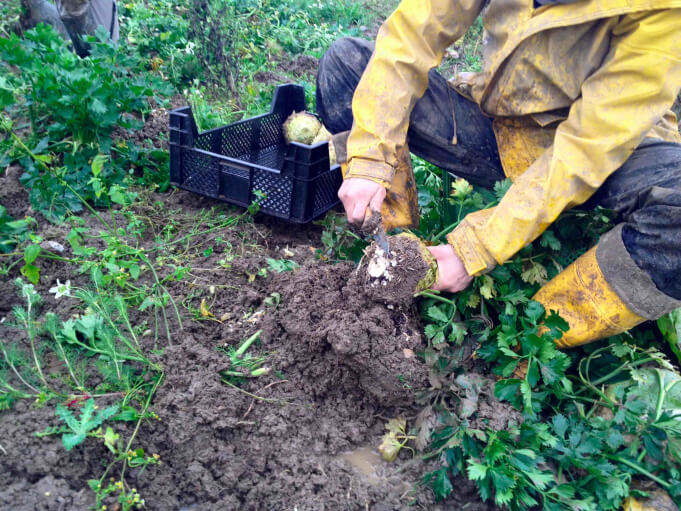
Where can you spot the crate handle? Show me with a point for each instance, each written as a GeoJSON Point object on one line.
{"type": "Point", "coordinates": [239, 166]}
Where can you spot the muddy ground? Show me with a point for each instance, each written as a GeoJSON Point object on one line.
{"type": "Point", "coordinates": [303, 437]}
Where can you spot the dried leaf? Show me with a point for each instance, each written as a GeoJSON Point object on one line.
{"type": "Point", "coordinates": [535, 274]}
{"type": "Point", "coordinates": [204, 310]}
{"type": "Point", "coordinates": [487, 290]}
{"type": "Point", "coordinates": [473, 300]}
{"type": "Point", "coordinates": [425, 423]}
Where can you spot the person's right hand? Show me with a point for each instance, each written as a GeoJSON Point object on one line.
{"type": "Point", "coordinates": [357, 194]}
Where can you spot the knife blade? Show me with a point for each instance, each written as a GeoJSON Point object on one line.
{"type": "Point", "coordinates": [373, 226]}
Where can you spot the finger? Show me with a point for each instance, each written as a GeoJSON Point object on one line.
{"type": "Point", "coordinates": [439, 251]}
{"type": "Point", "coordinates": [377, 199]}
{"type": "Point", "coordinates": [358, 211]}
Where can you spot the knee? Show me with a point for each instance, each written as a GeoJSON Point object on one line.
{"type": "Point", "coordinates": [339, 72]}
{"type": "Point", "coordinates": [345, 55]}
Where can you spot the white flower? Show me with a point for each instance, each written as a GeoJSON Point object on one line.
{"type": "Point", "coordinates": [61, 289]}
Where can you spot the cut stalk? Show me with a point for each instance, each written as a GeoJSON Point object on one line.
{"type": "Point", "coordinates": [247, 344]}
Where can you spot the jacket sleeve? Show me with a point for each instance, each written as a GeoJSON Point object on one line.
{"type": "Point", "coordinates": [410, 43]}
{"type": "Point", "coordinates": [620, 103]}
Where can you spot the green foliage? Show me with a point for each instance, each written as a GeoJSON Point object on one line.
{"type": "Point", "coordinates": [466, 53]}
{"type": "Point", "coordinates": [219, 53]}
{"type": "Point", "coordinates": [10, 15]}
{"type": "Point", "coordinates": [281, 265]}
{"type": "Point", "coordinates": [670, 327]}
{"type": "Point", "coordinates": [578, 407]}
{"type": "Point", "coordinates": [80, 427]}
{"type": "Point", "coordinates": [340, 243]}
{"type": "Point", "coordinates": [12, 232]}
{"type": "Point", "coordinates": [233, 39]}
{"type": "Point", "coordinates": [72, 106]}
{"type": "Point", "coordinates": [98, 344]}
{"type": "Point", "coordinates": [242, 363]}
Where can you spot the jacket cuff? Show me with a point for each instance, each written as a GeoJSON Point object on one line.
{"type": "Point", "coordinates": [475, 257]}
{"type": "Point", "coordinates": [380, 172]}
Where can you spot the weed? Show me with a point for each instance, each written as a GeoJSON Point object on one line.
{"type": "Point", "coordinates": [99, 341]}
{"type": "Point", "coordinates": [338, 240]}
{"type": "Point", "coordinates": [281, 265]}
{"type": "Point", "coordinates": [10, 16]}
{"type": "Point", "coordinates": [242, 364]}
{"type": "Point", "coordinates": [12, 232]}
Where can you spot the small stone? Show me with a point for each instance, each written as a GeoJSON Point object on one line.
{"type": "Point", "coordinates": [52, 245]}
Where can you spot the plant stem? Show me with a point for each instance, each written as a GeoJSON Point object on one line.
{"type": "Point", "coordinates": [254, 396]}
{"type": "Point", "coordinates": [255, 373]}
{"type": "Point", "coordinates": [139, 421]}
{"type": "Point", "coordinates": [661, 394]}
{"type": "Point", "coordinates": [14, 370]}
{"type": "Point", "coordinates": [247, 344]}
{"type": "Point", "coordinates": [641, 471]}
{"type": "Point", "coordinates": [429, 294]}
{"type": "Point", "coordinates": [62, 352]}
{"type": "Point", "coordinates": [31, 338]}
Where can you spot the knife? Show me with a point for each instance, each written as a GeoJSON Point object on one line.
{"type": "Point", "coordinates": [373, 226]}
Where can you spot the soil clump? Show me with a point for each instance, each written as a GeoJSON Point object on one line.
{"type": "Point", "coordinates": [393, 278]}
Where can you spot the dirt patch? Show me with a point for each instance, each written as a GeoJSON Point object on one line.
{"type": "Point", "coordinates": [154, 131]}
{"type": "Point", "coordinates": [12, 193]}
{"type": "Point", "coordinates": [340, 335]}
{"type": "Point", "coordinates": [299, 67]}
{"type": "Point", "coordinates": [342, 365]}
{"type": "Point", "coordinates": [269, 78]}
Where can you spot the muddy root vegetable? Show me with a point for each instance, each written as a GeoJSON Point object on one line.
{"type": "Point", "coordinates": [395, 277]}
{"type": "Point", "coordinates": [301, 127]}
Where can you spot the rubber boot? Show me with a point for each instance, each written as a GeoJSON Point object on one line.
{"type": "Point", "coordinates": [583, 298]}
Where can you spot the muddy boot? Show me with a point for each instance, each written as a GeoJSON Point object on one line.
{"type": "Point", "coordinates": [657, 500]}
{"type": "Point", "coordinates": [583, 298]}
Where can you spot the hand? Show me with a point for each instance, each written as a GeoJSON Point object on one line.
{"type": "Point", "coordinates": [452, 275]}
{"type": "Point", "coordinates": [358, 194]}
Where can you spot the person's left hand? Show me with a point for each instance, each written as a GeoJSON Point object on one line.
{"type": "Point", "coordinates": [452, 275]}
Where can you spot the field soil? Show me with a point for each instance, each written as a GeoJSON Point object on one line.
{"type": "Point", "coordinates": [303, 437]}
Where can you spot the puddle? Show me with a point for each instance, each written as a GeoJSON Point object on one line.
{"type": "Point", "coordinates": [377, 472]}
{"type": "Point", "coordinates": [367, 461]}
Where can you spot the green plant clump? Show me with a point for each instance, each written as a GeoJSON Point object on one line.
{"type": "Point", "coordinates": [60, 112]}
{"type": "Point", "coordinates": [592, 420]}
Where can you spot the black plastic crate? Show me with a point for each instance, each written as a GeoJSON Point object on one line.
{"type": "Point", "coordinates": [232, 162]}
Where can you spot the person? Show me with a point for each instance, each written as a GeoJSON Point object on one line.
{"type": "Point", "coordinates": [573, 105]}
{"type": "Point", "coordinates": [74, 19]}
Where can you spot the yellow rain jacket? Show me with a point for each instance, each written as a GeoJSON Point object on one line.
{"type": "Point", "coordinates": [573, 90]}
